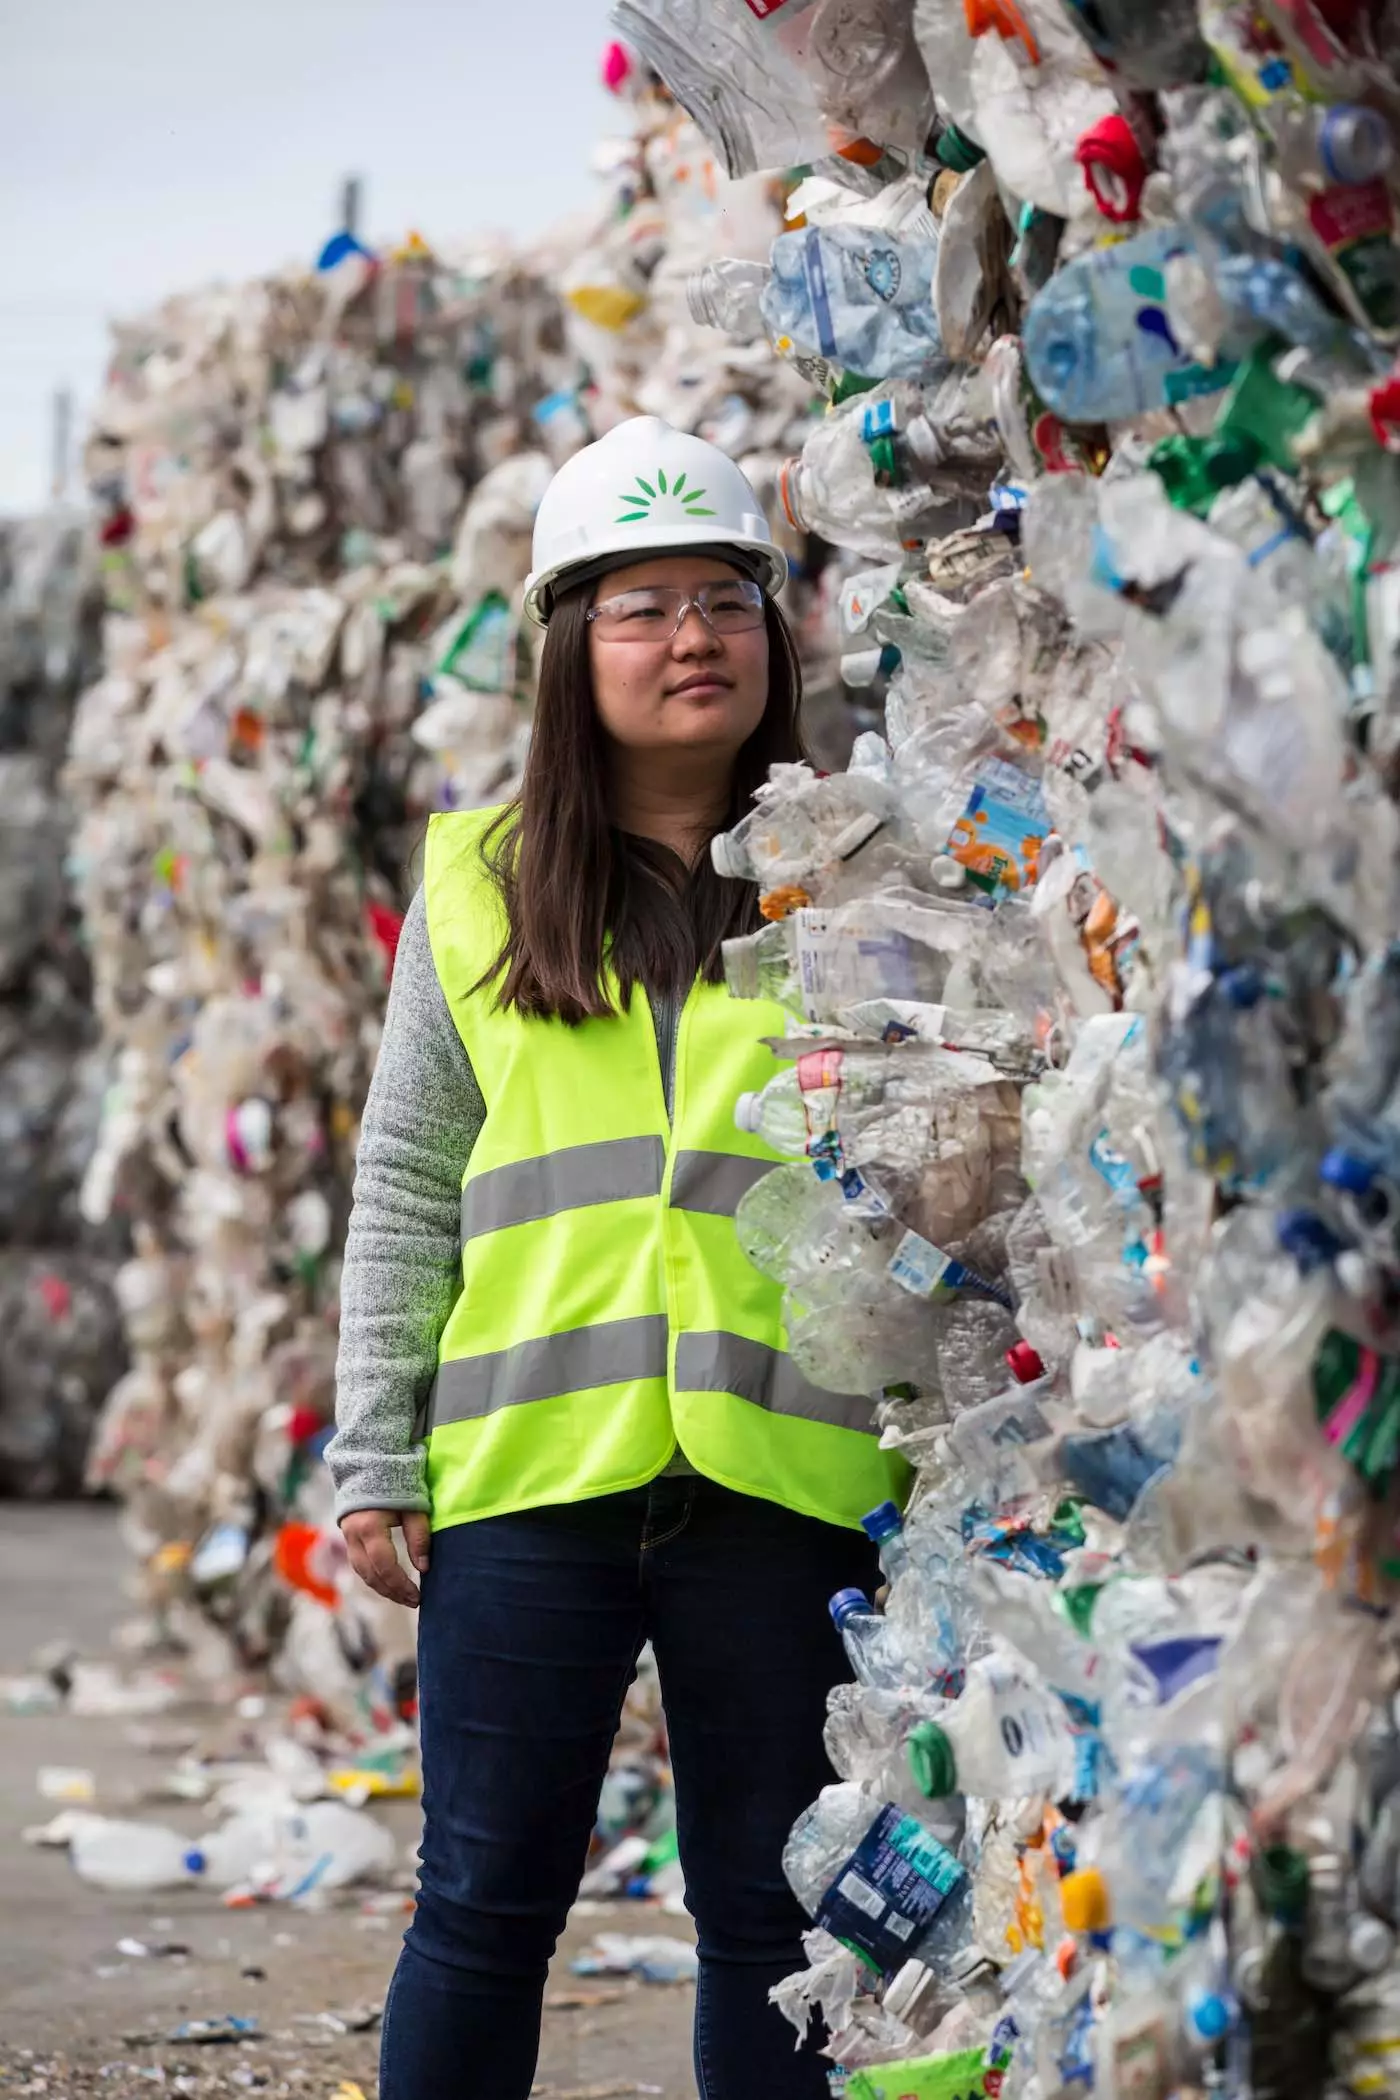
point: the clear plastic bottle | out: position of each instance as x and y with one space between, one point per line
819 960
856 296
118 1855
801 822
860 481
1097 348
288 1852
728 293
884 1527
870 1648
790 1210
777 1115
876 1878
1320 147
1007 1736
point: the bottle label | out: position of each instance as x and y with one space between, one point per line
1353 223
918 1266
814 269
836 961
878 421
999 835
890 1890
962 2076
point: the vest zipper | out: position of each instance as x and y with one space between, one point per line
666 1014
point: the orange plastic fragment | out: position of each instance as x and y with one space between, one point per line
1005 17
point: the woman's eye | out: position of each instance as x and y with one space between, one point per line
638 612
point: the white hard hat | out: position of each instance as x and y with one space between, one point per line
643 488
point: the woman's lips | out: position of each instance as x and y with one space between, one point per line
703 682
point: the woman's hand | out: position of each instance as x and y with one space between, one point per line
368 1535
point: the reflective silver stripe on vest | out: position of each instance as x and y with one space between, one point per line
714 1181
571 1179
468 1387
731 1363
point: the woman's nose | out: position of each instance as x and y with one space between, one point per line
694 636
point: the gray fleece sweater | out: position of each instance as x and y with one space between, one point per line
403 1264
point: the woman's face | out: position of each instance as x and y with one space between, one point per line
691 690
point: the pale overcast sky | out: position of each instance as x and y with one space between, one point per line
146 145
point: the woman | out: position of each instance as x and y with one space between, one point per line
554 1357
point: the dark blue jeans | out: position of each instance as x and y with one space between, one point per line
530 1629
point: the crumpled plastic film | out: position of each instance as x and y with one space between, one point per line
1085 1103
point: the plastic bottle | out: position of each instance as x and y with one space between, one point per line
840 1088
328 1845
884 1527
1006 1736
876 1878
1322 148
856 296
1099 342
866 1638
861 480
728 293
819 961
287 1852
117 1855
801 823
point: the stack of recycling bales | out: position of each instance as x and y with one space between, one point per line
1091 1107
316 497
280 472
57 1314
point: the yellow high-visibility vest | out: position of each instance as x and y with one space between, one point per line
607 1312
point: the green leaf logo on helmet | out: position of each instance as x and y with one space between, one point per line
637 505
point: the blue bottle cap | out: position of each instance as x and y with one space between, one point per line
1209 2015
195 1861
1341 1169
1310 1241
883 1521
846 1602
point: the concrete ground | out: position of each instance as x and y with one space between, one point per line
78 2016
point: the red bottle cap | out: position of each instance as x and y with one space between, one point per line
1025 1363
1114 168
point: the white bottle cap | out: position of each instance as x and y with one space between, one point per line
861 667
746 1114
726 858
1370 1943
948 874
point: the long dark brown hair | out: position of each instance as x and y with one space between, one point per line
579 892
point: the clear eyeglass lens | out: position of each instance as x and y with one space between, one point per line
655 614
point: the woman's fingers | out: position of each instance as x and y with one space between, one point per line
369 1539
417 1531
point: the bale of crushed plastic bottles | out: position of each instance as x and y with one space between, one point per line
1087 1115
63 1337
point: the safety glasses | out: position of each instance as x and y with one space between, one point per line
654 613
